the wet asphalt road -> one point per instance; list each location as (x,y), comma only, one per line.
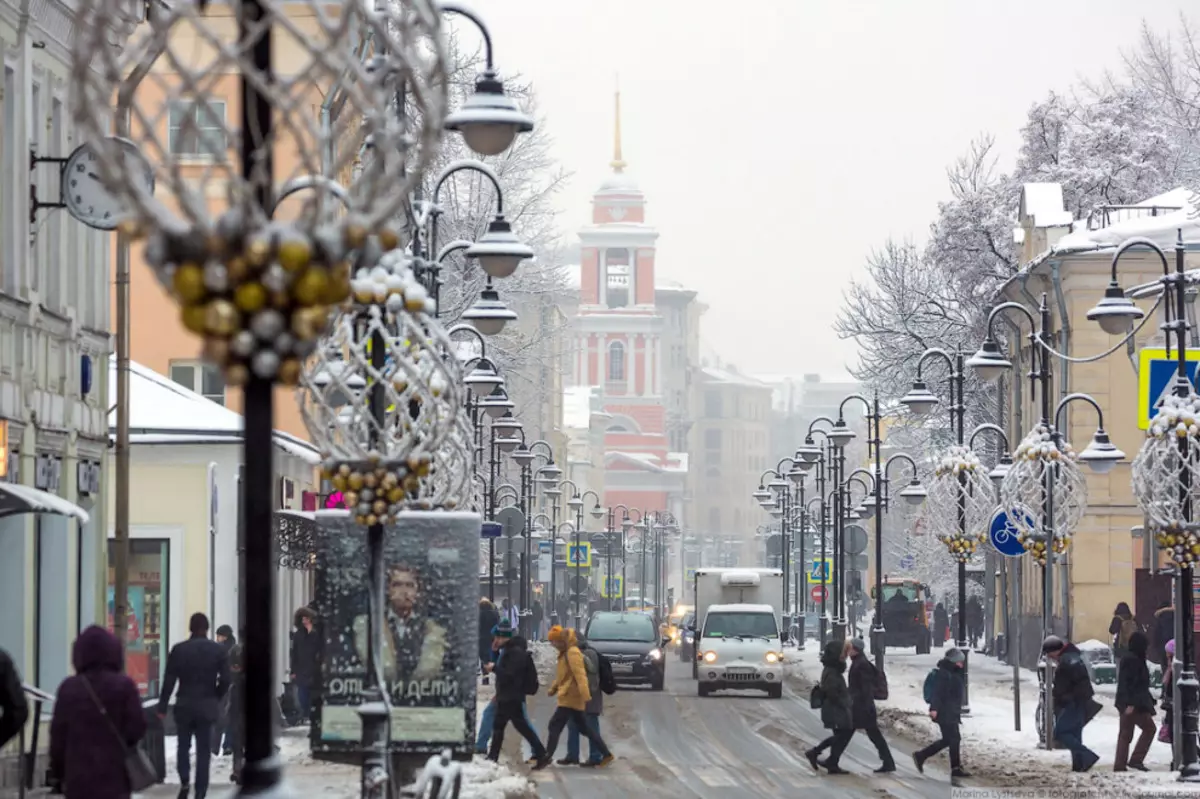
(726,746)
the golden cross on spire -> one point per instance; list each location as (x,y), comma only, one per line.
(618,163)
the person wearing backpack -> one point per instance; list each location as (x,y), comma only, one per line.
(832,697)
(600,682)
(944,694)
(865,683)
(501,633)
(1122,628)
(570,686)
(516,675)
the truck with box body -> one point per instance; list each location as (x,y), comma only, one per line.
(738,641)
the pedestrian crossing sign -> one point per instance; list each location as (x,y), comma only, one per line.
(614,587)
(820,571)
(1156,379)
(579,556)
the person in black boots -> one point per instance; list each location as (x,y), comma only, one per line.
(516,679)
(945,708)
(201,668)
(1135,703)
(305,659)
(1072,699)
(862,702)
(833,697)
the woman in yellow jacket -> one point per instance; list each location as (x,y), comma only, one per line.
(571,687)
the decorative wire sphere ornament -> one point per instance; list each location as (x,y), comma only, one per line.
(260,290)
(380,422)
(1038,459)
(1171,454)
(960,483)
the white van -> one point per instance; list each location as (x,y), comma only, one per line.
(740,648)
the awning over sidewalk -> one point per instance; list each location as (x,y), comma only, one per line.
(15,499)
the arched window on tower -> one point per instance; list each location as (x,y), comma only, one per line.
(616,362)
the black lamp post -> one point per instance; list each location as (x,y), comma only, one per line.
(808,456)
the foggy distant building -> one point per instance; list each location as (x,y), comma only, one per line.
(796,400)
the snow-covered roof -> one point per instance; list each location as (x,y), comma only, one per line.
(577,406)
(1161,229)
(162,411)
(716,375)
(677,461)
(619,183)
(1042,204)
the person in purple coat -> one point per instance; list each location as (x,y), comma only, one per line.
(87,759)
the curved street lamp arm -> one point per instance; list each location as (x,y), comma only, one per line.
(779,466)
(762,477)
(819,419)
(303,182)
(574,487)
(1067,400)
(1004,306)
(1129,244)
(454,246)
(595,496)
(899,456)
(473,333)
(549,449)
(988,427)
(932,351)
(863,472)
(471,165)
(506,487)
(463,11)
(866,402)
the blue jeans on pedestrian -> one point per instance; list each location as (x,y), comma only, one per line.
(573,737)
(485,728)
(1068,730)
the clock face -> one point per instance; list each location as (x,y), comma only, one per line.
(85,195)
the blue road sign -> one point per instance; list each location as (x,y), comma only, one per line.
(1003,533)
(579,555)
(491,530)
(907,562)
(1156,375)
(691,575)
(613,587)
(820,570)
(545,547)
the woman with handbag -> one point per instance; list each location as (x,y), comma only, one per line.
(97,724)
(832,697)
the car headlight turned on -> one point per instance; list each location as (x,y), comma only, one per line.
(655,654)
(773,657)
(710,657)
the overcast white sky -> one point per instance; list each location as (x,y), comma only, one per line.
(778,142)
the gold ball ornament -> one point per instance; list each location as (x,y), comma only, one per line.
(351,498)
(379,507)
(250,297)
(338,482)
(188,283)
(194,318)
(355,481)
(221,318)
(395,494)
(389,239)
(344,470)
(372,519)
(258,251)
(289,372)
(312,286)
(354,235)
(237,268)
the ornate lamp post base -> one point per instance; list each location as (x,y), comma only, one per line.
(376,730)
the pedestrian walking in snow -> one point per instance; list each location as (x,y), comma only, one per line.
(222,737)
(974,621)
(237,700)
(305,659)
(945,697)
(97,718)
(1135,703)
(570,686)
(501,635)
(14,709)
(832,697)
(600,682)
(863,684)
(200,667)
(516,678)
(941,621)
(1072,693)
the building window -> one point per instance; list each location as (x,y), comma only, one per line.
(146,628)
(616,362)
(617,277)
(197,129)
(712,404)
(203,378)
(712,439)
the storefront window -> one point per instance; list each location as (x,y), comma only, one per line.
(146,631)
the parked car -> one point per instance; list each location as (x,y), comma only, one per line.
(687,638)
(633,646)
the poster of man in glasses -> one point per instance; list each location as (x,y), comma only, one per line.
(427,656)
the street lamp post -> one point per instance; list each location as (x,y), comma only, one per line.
(1036,476)
(810,455)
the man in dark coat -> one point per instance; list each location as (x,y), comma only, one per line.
(87,753)
(836,712)
(1135,703)
(536,620)
(1164,630)
(1072,695)
(489,617)
(945,708)
(237,698)
(14,710)
(223,734)
(974,620)
(305,660)
(862,703)
(513,673)
(201,668)
(941,620)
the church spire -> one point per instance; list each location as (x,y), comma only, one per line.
(618,163)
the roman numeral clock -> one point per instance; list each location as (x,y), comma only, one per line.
(82,191)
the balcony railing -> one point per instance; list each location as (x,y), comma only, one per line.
(1105,215)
